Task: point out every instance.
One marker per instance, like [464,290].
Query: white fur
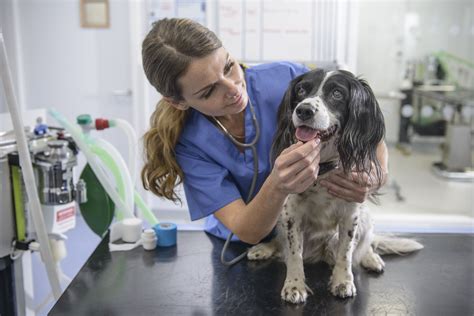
[323,118]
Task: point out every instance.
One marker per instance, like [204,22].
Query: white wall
[7,28]
[72,69]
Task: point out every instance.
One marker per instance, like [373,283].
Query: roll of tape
[166,234]
[131,229]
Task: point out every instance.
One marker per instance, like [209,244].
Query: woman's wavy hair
[167,51]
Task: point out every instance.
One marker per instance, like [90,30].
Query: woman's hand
[357,186]
[297,167]
[353,187]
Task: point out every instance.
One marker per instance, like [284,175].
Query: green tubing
[110,163]
[146,212]
[84,143]
[444,58]
[18,202]
[444,54]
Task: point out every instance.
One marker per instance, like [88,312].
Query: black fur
[363,130]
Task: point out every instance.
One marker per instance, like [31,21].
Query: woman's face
[214,85]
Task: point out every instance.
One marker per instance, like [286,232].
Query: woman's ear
[180,105]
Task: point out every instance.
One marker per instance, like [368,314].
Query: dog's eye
[336,94]
[301,92]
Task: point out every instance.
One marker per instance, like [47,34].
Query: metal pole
[27,172]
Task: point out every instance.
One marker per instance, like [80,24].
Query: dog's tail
[385,245]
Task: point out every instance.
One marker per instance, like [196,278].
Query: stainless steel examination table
[190,280]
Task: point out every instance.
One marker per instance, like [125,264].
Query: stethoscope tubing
[252,146]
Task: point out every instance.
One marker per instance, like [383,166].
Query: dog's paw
[344,289]
[295,292]
[341,284]
[261,252]
[373,262]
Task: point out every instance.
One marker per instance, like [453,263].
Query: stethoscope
[252,146]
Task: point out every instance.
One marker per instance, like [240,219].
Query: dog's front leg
[295,289]
[342,279]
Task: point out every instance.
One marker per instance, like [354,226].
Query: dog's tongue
[304,133]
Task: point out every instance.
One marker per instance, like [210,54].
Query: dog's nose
[305,111]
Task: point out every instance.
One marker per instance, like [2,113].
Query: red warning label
[65,214]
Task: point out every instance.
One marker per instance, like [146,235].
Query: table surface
[189,279]
[459,96]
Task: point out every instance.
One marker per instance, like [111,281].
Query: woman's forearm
[252,222]
[295,169]
[264,211]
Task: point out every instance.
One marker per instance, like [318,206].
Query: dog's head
[332,105]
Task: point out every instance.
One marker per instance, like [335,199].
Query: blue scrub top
[216,173]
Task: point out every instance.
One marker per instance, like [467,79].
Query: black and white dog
[342,111]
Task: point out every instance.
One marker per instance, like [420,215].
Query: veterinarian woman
[207,96]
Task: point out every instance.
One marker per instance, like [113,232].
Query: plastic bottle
[149,239]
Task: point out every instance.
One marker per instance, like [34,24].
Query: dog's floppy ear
[284,135]
[363,130]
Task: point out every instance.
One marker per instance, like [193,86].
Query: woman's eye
[228,68]
[337,94]
[208,93]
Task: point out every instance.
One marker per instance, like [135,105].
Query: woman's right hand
[297,167]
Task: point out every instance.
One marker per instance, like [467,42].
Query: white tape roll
[131,229]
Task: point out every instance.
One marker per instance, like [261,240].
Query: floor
[430,204]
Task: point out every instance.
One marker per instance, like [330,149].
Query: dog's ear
[285,133]
[363,130]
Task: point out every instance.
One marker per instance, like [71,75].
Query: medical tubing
[27,171]
[119,169]
[83,145]
[132,145]
[112,159]
[145,211]
[254,178]
[131,137]
[108,161]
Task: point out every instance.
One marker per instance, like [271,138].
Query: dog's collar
[326,167]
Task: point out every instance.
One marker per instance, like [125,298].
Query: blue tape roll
[166,234]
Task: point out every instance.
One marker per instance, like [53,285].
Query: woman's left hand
[353,187]
[356,186]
